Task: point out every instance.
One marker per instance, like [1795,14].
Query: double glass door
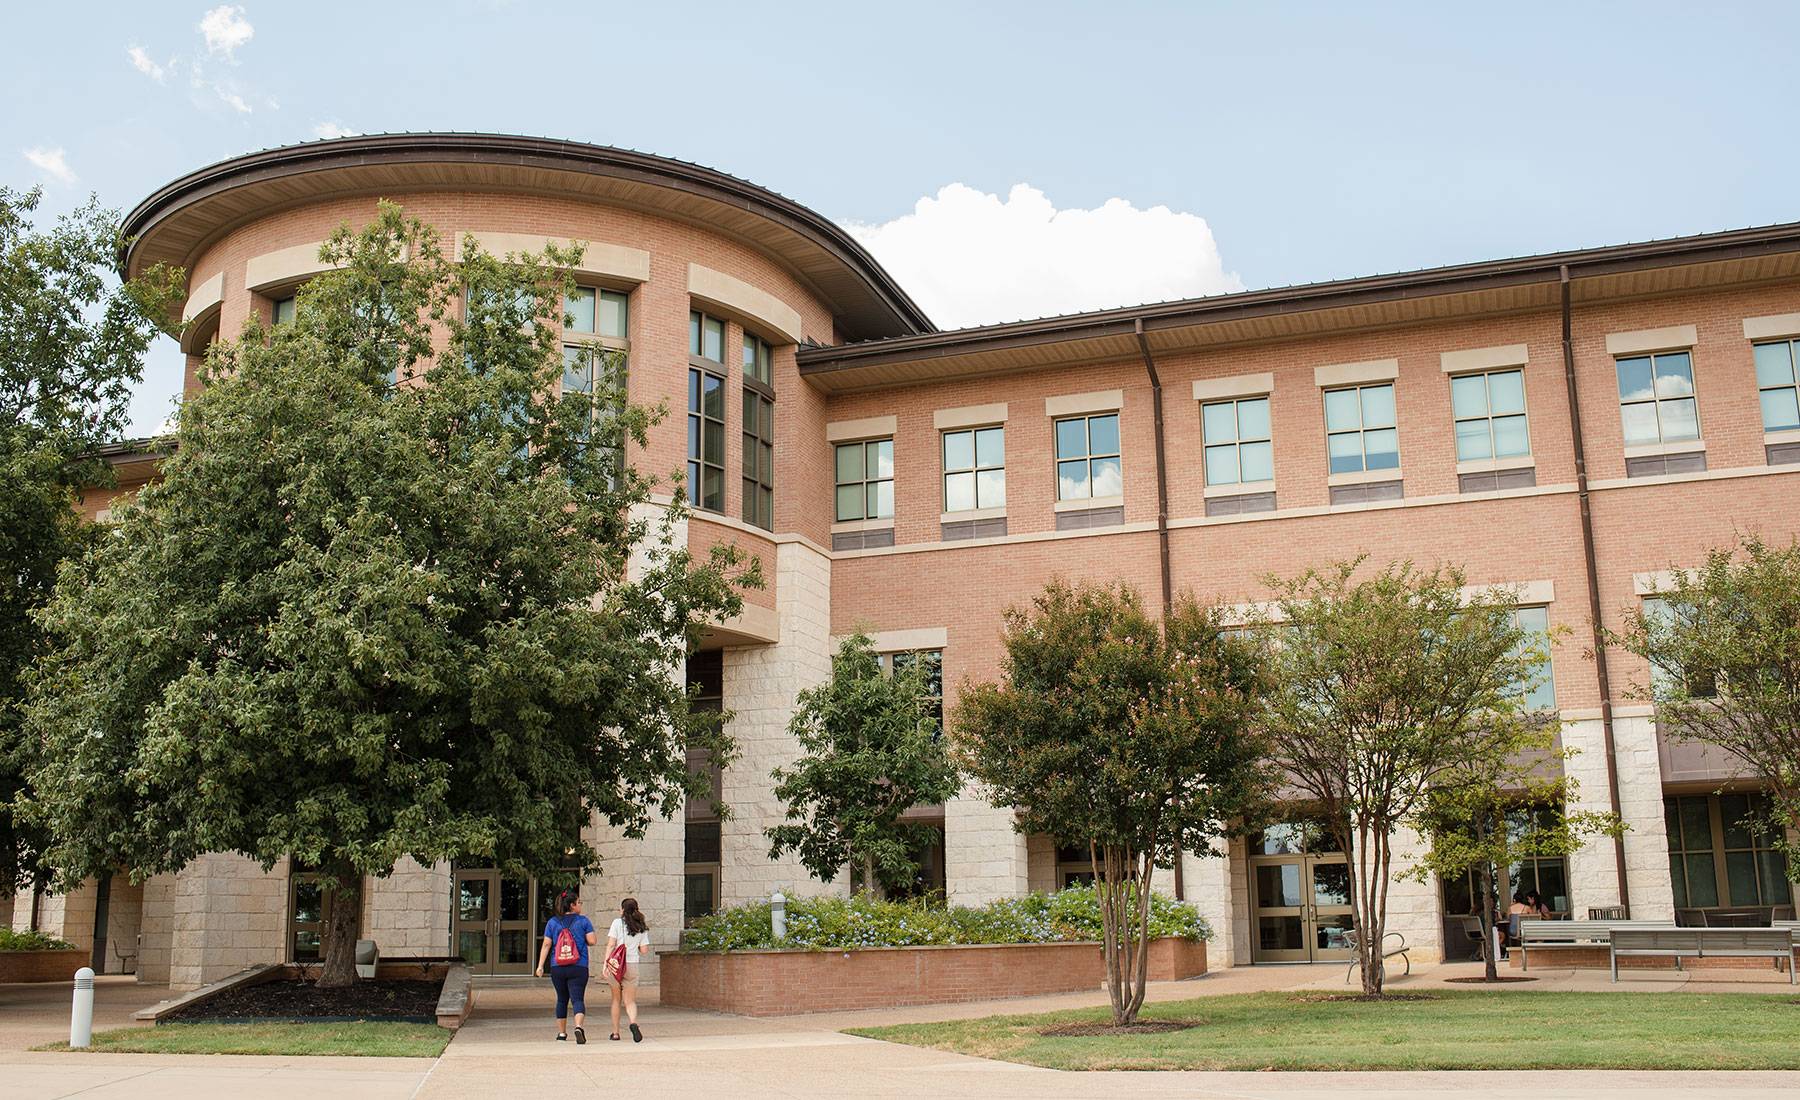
[499,918]
[1301,888]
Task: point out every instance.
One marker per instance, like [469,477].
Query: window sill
[1494,465]
[1240,489]
[886,523]
[1364,477]
[973,513]
[1651,450]
[1082,504]
[1788,435]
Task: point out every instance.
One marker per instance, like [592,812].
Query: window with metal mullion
[864,480]
[759,457]
[1361,429]
[1778,384]
[974,468]
[1489,411]
[1087,457]
[706,440]
[1236,441]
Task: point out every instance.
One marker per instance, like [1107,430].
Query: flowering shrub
[31,941]
[831,923]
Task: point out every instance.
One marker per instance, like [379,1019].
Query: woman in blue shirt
[566,939]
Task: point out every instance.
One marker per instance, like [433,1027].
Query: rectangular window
[1722,853]
[706,412]
[1656,399]
[759,459]
[1490,415]
[308,910]
[865,480]
[1087,458]
[706,337]
[1360,430]
[1541,695]
[1779,385]
[1237,441]
[974,469]
[1700,683]
[281,310]
[759,361]
[598,312]
[933,662]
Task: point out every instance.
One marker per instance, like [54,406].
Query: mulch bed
[1502,979]
[1137,1027]
[304,1000]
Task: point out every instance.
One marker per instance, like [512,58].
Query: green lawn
[1477,1029]
[365,1038]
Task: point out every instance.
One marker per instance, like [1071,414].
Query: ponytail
[633,917]
[566,901]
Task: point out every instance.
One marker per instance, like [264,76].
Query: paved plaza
[505,1050]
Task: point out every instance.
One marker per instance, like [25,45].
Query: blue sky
[1287,142]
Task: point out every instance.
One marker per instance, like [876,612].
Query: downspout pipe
[1593,582]
[1162,519]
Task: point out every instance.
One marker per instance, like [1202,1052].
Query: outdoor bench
[1676,943]
[1392,944]
[1596,932]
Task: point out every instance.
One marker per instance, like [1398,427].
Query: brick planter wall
[785,983]
[41,966]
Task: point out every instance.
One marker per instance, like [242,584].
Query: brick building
[1573,424]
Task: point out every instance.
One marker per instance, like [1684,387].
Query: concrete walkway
[506,1050]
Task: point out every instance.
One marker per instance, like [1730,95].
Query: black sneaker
[580,1037]
[636,1035]
[561,1038]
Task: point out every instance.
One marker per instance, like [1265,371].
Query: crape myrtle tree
[871,749]
[1388,686]
[1723,645]
[72,342]
[1105,731]
[391,598]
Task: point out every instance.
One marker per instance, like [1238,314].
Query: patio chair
[1392,944]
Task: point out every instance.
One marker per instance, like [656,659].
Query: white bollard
[81,1014]
[778,916]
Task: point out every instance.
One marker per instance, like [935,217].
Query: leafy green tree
[871,749]
[1723,645]
[1387,688]
[72,342]
[389,599]
[1137,742]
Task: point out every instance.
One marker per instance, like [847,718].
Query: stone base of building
[788,983]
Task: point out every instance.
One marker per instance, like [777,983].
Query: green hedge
[31,941]
[821,924]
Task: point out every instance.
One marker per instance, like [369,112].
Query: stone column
[985,858]
[1641,806]
[407,913]
[1593,872]
[228,914]
[649,869]
[157,929]
[761,686]
[1414,908]
[1216,886]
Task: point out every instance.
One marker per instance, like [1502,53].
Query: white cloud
[51,162]
[142,61]
[231,99]
[969,257]
[333,129]
[225,29]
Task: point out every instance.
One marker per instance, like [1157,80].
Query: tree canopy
[871,749]
[1109,732]
[72,342]
[1389,686]
[391,598]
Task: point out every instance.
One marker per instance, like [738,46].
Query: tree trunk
[1372,859]
[343,927]
[1488,901]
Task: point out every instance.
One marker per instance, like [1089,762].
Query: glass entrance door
[1301,894]
[494,932]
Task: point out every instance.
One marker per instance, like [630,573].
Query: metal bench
[1677,943]
[1595,932]
[1392,944]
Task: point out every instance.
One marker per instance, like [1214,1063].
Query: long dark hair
[633,917]
[565,901]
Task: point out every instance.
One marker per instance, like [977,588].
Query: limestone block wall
[985,858]
[407,913]
[1414,908]
[124,920]
[1218,885]
[228,914]
[157,928]
[762,684]
[1593,872]
[1641,807]
[67,916]
[1040,858]
[649,869]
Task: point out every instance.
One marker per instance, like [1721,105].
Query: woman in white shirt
[631,931]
